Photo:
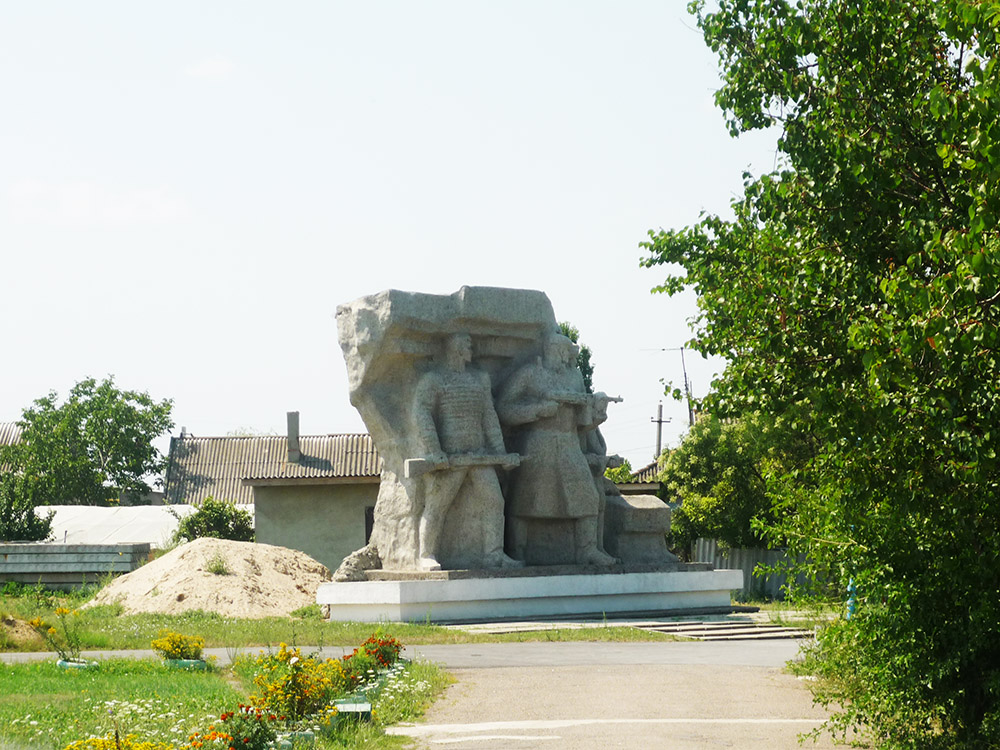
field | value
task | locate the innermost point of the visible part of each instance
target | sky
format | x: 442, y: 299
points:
x: 189, y: 189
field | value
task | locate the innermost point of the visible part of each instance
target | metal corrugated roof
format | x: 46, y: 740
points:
x: 217, y: 466
x: 10, y: 433
x: 646, y: 473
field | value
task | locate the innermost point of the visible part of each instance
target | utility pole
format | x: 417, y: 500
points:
x: 659, y: 428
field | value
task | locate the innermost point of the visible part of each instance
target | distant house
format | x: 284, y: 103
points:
x: 643, y: 482
x: 10, y: 433
x: 314, y: 493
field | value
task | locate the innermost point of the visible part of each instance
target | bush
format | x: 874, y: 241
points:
x: 383, y: 648
x: 18, y: 520
x: 295, y: 686
x: 247, y: 728
x: 172, y: 645
x: 216, y: 519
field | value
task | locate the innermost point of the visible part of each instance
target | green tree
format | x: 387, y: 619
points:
x: 90, y: 449
x: 861, y: 278
x: 18, y: 520
x: 716, y: 476
x: 619, y: 474
x: 571, y: 332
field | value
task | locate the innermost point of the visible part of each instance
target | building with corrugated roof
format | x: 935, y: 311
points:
x: 644, y: 481
x: 314, y: 493
x: 10, y: 433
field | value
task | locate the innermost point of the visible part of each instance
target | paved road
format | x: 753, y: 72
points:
x: 578, y: 653
x: 571, y: 696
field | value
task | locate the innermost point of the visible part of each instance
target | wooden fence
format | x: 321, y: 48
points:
x: 756, y: 584
x: 67, y: 566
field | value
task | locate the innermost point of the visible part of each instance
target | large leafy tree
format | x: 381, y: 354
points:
x: 862, y: 277
x: 91, y: 449
x: 718, y: 478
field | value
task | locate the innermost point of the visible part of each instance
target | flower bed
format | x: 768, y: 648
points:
x: 141, y: 705
x: 307, y: 692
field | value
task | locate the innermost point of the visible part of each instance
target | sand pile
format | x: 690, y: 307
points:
x: 234, y: 579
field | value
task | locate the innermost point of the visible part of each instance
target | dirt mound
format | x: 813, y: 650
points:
x: 235, y: 579
x: 19, y: 634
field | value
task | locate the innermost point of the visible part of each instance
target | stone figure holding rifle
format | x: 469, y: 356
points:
x: 553, y: 503
x: 459, y: 447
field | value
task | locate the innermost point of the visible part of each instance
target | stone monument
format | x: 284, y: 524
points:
x: 493, y: 464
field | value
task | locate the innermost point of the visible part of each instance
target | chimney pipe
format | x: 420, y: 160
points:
x: 294, y: 452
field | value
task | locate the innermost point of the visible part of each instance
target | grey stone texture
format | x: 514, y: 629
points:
x: 492, y: 457
x: 636, y: 527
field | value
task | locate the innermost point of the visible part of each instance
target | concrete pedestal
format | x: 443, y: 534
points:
x: 456, y: 596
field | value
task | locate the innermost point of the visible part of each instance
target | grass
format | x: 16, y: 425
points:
x: 106, y: 627
x: 47, y: 707
x: 801, y: 614
x: 44, y: 707
x: 217, y: 565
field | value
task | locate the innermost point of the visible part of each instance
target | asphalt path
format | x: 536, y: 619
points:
x: 766, y: 653
x: 571, y: 696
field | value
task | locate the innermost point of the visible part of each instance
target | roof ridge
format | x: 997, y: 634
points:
x: 258, y: 437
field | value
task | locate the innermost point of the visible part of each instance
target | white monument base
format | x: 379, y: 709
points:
x: 500, y: 597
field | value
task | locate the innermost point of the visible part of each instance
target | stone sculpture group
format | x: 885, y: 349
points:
x: 490, y: 441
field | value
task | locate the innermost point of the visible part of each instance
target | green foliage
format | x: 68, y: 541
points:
x: 247, y: 728
x: 18, y: 520
x: 42, y: 706
x: 308, y: 612
x: 718, y: 477
x: 218, y: 519
x: 171, y: 645
x: 91, y: 449
x: 571, y: 332
x: 217, y: 565
x: 619, y: 474
x: 862, y: 277
x: 66, y: 644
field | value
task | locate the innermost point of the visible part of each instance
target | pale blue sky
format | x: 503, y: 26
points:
x: 188, y: 189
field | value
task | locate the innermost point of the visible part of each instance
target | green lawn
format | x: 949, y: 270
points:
x: 45, y: 707
x: 106, y: 627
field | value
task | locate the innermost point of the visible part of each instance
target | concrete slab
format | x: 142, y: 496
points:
x: 479, y: 599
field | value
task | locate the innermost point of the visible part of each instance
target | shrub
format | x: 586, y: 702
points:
x: 171, y: 645
x: 293, y: 686
x: 247, y: 728
x: 376, y: 654
x: 217, y: 519
x: 384, y: 649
